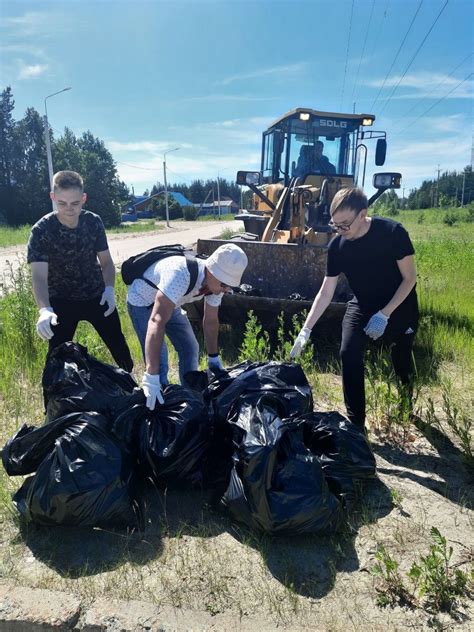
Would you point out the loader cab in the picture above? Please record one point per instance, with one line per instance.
(308, 141)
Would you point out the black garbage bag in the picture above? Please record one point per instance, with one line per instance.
(342, 449)
(276, 484)
(28, 448)
(74, 381)
(248, 381)
(87, 479)
(171, 442)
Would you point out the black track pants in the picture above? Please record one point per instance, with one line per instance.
(400, 333)
(69, 314)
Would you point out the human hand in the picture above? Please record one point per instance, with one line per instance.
(214, 363)
(301, 340)
(108, 296)
(46, 318)
(151, 386)
(376, 325)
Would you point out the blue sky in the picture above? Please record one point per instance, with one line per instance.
(209, 77)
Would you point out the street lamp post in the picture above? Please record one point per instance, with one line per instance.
(47, 138)
(166, 185)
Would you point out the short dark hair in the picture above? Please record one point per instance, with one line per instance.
(352, 198)
(67, 180)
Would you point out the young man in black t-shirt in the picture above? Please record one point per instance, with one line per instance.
(72, 271)
(376, 255)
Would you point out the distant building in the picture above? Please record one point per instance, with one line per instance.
(212, 208)
(139, 207)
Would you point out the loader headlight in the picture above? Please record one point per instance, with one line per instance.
(367, 121)
(304, 116)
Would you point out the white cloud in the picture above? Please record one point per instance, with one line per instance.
(30, 71)
(426, 84)
(279, 71)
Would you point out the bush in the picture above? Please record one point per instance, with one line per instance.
(450, 218)
(190, 213)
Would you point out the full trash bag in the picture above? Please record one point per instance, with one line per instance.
(86, 480)
(171, 442)
(276, 484)
(342, 449)
(250, 380)
(74, 381)
(226, 391)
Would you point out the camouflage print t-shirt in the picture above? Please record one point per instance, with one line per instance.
(71, 254)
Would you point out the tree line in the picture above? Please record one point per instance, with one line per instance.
(24, 179)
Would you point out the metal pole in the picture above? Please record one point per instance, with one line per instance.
(166, 192)
(166, 185)
(218, 196)
(47, 139)
(463, 187)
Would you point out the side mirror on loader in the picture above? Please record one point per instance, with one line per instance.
(380, 152)
(387, 180)
(248, 178)
(384, 181)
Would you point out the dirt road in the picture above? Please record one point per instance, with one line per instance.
(123, 246)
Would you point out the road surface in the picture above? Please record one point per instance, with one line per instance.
(125, 245)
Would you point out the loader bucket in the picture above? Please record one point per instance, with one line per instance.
(275, 271)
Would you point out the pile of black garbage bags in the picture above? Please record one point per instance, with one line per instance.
(248, 435)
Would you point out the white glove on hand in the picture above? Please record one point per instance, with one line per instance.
(151, 386)
(301, 340)
(46, 318)
(108, 296)
(376, 325)
(214, 363)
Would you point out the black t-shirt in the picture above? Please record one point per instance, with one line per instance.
(71, 254)
(370, 263)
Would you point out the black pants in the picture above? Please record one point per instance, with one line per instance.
(400, 333)
(69, 314)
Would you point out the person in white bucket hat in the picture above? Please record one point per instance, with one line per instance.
(156, 311)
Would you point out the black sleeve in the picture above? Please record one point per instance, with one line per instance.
(101, 238)
(402, 246)
(333, 264)
(38, 245)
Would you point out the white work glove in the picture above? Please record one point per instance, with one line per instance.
(301, 340)
(214, 363)
(108, 296)
(46, 318)
(376, 325)
(151, 386)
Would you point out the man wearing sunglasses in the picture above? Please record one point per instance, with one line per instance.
(155, 306)
(376, 255)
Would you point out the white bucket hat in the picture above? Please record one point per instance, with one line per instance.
(227, 264)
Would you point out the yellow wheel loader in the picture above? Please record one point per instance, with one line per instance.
(307, 156)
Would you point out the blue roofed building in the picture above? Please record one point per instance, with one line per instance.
(139, 205)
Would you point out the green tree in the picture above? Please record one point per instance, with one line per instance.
(30, 169)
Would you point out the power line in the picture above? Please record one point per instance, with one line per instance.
(436, 103)
(347, 54)
(137, 167)
(397, 54)
(363, 49)
(380, 29)
(414, 56)
(436, 87)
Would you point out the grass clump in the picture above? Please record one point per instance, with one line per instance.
(432, 583)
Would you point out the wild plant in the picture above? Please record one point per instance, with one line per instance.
(434, 578)
(458, 420)
(392, 591)
(256, 342)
